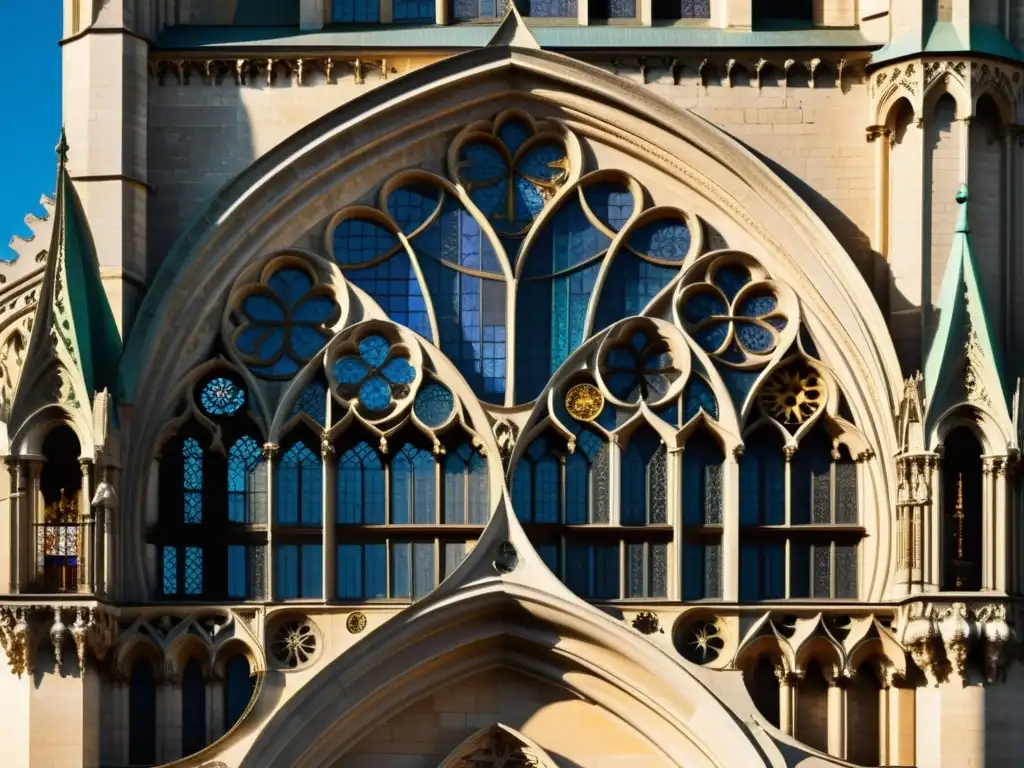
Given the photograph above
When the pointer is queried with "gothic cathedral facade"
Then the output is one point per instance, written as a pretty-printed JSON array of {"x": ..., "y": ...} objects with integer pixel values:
[{"x": 565, "y": 383}]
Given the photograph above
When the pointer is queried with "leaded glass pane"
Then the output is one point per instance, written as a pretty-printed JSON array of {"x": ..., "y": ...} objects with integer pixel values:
[
  {"x": 562, "y": 9},
  {"x": 713, "y": 570},
  {"x": 454, "y": 553},
  {"x": 549, "y": 554},
  {"x": 577, "y": 489},
  {"x": 455, "y": 488},
  {"x": 522, "y": 491},
  {"x": 356, "y": 11},
  {"x": 192, "y": 454},
  {"x": 312, "y": 402},
  {"x": 846, "y": 493},
  {"x": 577, "y": 569},
  {"x": 613, "y": 9},
  {"x": 237, "y": 576},
  {"x": 750, "y": 572},
  {"x": 401, "y": 569},
  {"x": 600, "y": 496},
  {"x": 846, "y": 572},
  {"x": 222, "y": 397},
  {"x": 657, "y": 482},
  {"x": 762, "y": 481},
  {"x": 821, "y": 490},
  {"x": 799, "y": 570},
  {"x": 606, "y": 558},
  {"x": 821, "y": 578},
  {"x": 170, "y": 571},
  {"x": 247, "y": 486},
  {"x": 286, "y": 567},
  {"x": 434, "y": 404},
  {"x": 423, "y": 573},
  {"x": 193, "y": 571},
  {"x": 412, "y": 487},
  {"x": 465, "y": 10},
  {"x": 773, "y": 558},
  {"x": 546, "y": 490},
  {"x": 657, "y": 577},
  {"x": 635, "y": 579},
  {"x": 479, "y": 493},
  {"x": 311, "y": 575},
  {"x": 350, "y": 572},
  {"x": 299, "y": 487},
  {"x": 360, "y": 486},
  {"x": 713, "y": 490}
]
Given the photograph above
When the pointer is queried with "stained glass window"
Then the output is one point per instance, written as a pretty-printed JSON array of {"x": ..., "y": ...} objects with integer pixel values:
[
  {"x": 592, "y": 570},
  {"x": 222, "y": 397},
  {"x": 193, "y": 571},
  {"x": 360, "y": 486},
  {"x": 466, "y": 10},
  {"x": 413, "y": 10},
  {"x": 299, "y": 571},
  {"x": 247, "y": 482},
  {"x": 639, "y": 367},
  {"x": 362, "y": 571},
  {"x": 246, "y": 566},
  {"x": 646, "y": 570},
  {"x": 697, "y": 397},
  {"x": 193, "y": 708},
  {"x": 465, "y": 487},
  {"x": 412, "y": 569},
  {"x": 643, "y": 477},
  {"x": 561, "y": 9},
  {"x": 375, "y": 375},
  {"x": 355, "y": 11},
  {"x": 298, "y": 487},
  {"x": 373, "y": 259},
  {"x": 412, "y": 487},
  {"x": 283, "y": 323},
  {"x": 312, "y": 402},
  {"x": 192, "y": 453},
  {"x": 762, "y": 481},
  {"x": 586, "y": 481},
  {"x": 682, "y": 9},
  {"x": 434, "y": 404},
  {"x": 170, "y": 570}
]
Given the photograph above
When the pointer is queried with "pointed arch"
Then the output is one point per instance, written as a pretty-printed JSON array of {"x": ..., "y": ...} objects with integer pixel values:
[{"x": 502, "y": 745}]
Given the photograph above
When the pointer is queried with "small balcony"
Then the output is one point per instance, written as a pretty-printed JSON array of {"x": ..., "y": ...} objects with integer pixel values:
[{"x": 63, "y": 549}]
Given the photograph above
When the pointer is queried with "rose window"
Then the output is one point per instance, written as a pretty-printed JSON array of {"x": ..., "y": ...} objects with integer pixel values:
[
  {"x": 221, "y": 397},
  {"x": 639, "y": 367},
  {"x": 294, "y": 643}
]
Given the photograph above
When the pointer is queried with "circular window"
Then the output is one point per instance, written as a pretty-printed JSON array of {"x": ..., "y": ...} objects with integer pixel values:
[
  {"x": 294, "y": 642},
  {"x": 701, "y": 642},
  {"x": 222, "y": 397}
]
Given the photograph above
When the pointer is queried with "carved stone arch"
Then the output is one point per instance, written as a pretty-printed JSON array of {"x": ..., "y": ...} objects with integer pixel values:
[
  {"x": 239, "y": 645},
  {"x": 989, "y": 432},
  {"x": 988, "y": 90},
  {"x": 947, "y": 82},
  {"x": 181, "y": 650},
  {"x": 280, "y": 198},
  {"x": 133, "y": 647},
  {"x": 28, "y": 440},
  {"x": 892, "y": 101},
  {"x": 497, "y": 746}
]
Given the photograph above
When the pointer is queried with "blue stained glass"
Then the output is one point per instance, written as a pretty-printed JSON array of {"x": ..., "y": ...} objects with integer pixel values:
[
  {"x": 222, "y": 397},
  {"x": 754, "y": 337},
  {"x": 479, "y": 490},
  {"x": 631, "y": 284},
  {"x": 170, "y": 571},
  {"x": 313, "y": 402},
  {"x": 757, "y": 306},
  {"x": 762, "y": 481},
  {"x": 412, "y": 205},
  {"x": 702, "y": 305},
  {"x": 247, "y": 486},
  {"x": 282, "y": 323},
  {"x": 357, "y": 241},
  {"x": 731, "y": 279},
  {"x": 398, "y": 371},
  {"x": 193, "y": 571},
  {"x": 299, "y": 571},
  {"x": 414, "y": 10},
  {"x": 637, "y": 478},
  {"x": 738, "y": 382},
  {"x": 375, "y": 394},
  {"x": 298, "y": 487},
  {"x": 734, "y": 353},
  {"x": 513, "y": 133},
  {"x": 412, "y": 486},
  {"x": 641, "y": 369},
  {"x": 192, "y": 455},
  {"x": 592, "y": 570},
  {"x": 549, "y": 554},
  {"x": 360, "y": 486},
  {"x": 350, "y": 370},
  {"x": 577, "y": 489},
  {"x": 434, "y": 404},
  {"x": 698, "y": 396},
  {"x": 702, "y": 481},
  {"x": 455, "y": 487},
  {"x": 356, "y": 11},
  {"x": 546, "y": 490},
  {"x": 664, "y": 239},
  {"x": 373, "y": 350},
  {"x": 522, "y": 491},
  {"x": 670, "y": 412},
  {"x": 610, "y": 201},
  {"x": 238, "y": 690}
]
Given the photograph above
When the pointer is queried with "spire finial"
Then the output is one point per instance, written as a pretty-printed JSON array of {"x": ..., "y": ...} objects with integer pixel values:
[
  {"x": 62, "y": 149},
  {"x": 961, "y": 219}
]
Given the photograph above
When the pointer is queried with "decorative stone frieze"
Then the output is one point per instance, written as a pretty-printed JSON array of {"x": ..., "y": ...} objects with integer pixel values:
[
  {"x": 941, "y": 638},
  {"x": 22, "y": 628}
]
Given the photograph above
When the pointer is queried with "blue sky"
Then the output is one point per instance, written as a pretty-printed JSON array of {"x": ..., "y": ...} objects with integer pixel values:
[{"x": 30, "y": 127}]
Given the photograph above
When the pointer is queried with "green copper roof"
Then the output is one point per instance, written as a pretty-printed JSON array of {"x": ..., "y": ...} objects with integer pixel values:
[
  {"x": 473, "y": 35},
  {"x": 961, "y": 309},
  {"x": 81, "y": 314},
  {"x": 983, "y": 40}
]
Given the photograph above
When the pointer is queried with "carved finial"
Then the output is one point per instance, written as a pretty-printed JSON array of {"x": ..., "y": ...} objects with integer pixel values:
[{"x": 62, "y": 149}]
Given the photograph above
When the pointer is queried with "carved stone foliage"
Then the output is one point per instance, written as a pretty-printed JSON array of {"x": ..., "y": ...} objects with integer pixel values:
[
  {"x": 23, "y": 627},
  {"x": 942, "y": 639}
]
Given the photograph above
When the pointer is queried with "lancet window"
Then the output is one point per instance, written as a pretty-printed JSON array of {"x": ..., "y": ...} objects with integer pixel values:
[{"x": 213, "y": 521}]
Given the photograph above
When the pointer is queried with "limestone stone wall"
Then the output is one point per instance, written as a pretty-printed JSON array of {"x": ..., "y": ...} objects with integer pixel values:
[{"x": 574, "y": 732}]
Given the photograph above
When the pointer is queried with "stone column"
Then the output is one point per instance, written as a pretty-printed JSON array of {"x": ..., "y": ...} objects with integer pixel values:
[
  {"x": 16, "y": 504},
  {"x": 786, "y": 683},
  {"x": 270, "y": 455},
  {"x": 329, "y": 516},
  {"x": 837, "y": 683},
  {"x": 988, "y": 525},
  {"x": 1002, "y": 551},
  {"x": 730, "y": 560},
  {"x": 86, "y": 564},
  {"x": 34, "y": 512}
]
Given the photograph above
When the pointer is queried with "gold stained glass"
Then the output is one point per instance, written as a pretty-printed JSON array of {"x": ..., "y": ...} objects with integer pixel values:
[
  {"x": 792, "y": 395},
  {"x": 584, "y": 402}
]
